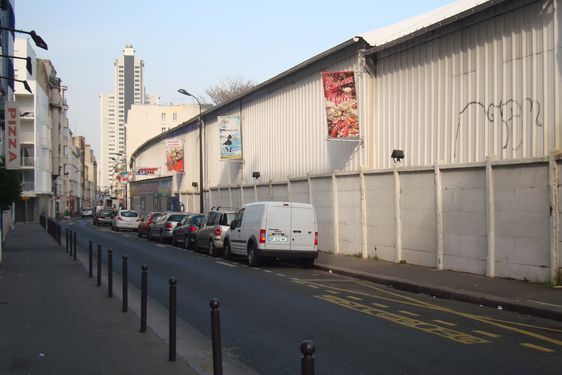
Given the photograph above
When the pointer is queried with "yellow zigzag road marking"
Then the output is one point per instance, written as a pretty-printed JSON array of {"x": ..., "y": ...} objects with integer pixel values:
[
  {"x": 537, "y": 347},
  {"x": 482, "y": 319},
  {"x": 486, "y": 333},
  {"x": 447, "y": 333}
]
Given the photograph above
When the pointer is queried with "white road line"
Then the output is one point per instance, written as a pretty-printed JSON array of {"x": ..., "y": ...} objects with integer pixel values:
[
  {"x": 280, "y": 274},
  {"x": 161, "y": 245},
  {"x": 227, "y": 264},
  {"x": 268, "y": 271}
]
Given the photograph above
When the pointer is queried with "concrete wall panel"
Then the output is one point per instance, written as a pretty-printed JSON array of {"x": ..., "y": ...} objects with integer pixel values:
[
  {"x": 418, "y": 218},
  {"x": 464, "y": 220},
  {"x": 323, "y": 201},
  {"x": 379, "y": 193},
  {"x": 349, "y": 221}
]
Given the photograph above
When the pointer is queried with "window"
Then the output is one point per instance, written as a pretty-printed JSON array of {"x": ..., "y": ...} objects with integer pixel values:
[
  {"x": 27, "y": 155},
  {"x": 175, "y": 116},
  {"x": 163, "y": 116}
]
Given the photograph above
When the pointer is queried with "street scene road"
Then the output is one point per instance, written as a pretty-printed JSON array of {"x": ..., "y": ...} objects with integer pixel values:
[{"x": 358, "y": 327}]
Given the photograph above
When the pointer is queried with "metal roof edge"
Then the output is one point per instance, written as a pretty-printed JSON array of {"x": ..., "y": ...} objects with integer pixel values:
[{"x": 426, "y": 29}]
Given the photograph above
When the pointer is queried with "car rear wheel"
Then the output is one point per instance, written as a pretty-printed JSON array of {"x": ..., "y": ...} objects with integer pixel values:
[
  {"x": 307, "y": 263},
  {"x": 160, "y": 239},
  {"x": 174, "y": 242},
  {"x": 227, "y": 250},
  {"x": 212, "y": 249},
  {"x": 186, "y": 243},
  {"x": 253, "y": 260}
]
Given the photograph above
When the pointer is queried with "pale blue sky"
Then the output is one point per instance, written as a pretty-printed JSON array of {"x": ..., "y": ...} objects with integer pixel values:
[{"x": 191, "y": 45}]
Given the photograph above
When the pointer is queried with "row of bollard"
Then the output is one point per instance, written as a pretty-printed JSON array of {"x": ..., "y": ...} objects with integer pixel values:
[{"x": 307, "y": 347}]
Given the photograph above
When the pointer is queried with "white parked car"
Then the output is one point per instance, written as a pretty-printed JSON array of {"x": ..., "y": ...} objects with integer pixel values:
[
  {"x": 126, "y": 219},
  {"x": 274, "y": 230}
]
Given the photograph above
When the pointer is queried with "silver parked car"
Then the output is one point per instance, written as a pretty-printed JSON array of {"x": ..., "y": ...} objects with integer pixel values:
[
  {"x": 210, "y": 236},
  {"x": 126, "y": 219},
  {"x": 163, "y": 226}
]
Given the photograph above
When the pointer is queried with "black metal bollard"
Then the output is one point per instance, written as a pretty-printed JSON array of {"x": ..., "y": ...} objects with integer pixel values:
[
  {"x": 109, "y": 273},
  {"x": 307, "y": 360},
  {"x": 99, "y": 265},
  {"x": 66, "y": 247},
  {"x": 172, "y": 326},
  {"x": 90, "y": 258},
  {"x": 216, "y": 336},
  {"x": 70, "y": 242},
  {"x": 125, "y": 283},
  {"x": 74, "y": 246},
  {"x": 144, "y": 292}
]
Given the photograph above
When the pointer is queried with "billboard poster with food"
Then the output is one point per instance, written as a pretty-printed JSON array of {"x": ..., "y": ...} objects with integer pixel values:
[
  {"x": 230, "y": 138},
  {"x": 174, "y": 155},
  {"x": 341, "y": 105}
]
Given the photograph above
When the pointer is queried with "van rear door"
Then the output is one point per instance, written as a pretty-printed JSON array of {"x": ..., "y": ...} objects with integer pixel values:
[
  {"x": 278, "y": 230},
  {"x": 303, "y": 227}
]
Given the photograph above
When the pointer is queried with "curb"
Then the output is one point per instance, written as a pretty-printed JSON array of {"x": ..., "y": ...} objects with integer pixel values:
[{"x": 447, "y": 293}]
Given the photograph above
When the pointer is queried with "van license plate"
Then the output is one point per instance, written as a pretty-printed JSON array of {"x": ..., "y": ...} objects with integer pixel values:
[{"x": 277, "y": 238}]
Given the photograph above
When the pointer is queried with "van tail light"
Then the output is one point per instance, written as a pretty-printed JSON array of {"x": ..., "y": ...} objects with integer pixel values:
[
  {"x": 262, "y": 235},
  {"x": 119, "y": 218},
  {"x": 218, "y": 231},
  {"x": 168, "y": 226},
  {"x": 192, "y": 228},
  {"x": 315, "y": 238}
]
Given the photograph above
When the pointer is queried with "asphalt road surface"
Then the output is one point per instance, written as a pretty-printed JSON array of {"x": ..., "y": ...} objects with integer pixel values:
[{"x": 358, "y": 327}]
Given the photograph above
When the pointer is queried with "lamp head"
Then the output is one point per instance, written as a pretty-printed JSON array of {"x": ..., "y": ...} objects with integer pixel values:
[
  {"x": 182, "y": 91},
  {"x": 397, "y": 155}
]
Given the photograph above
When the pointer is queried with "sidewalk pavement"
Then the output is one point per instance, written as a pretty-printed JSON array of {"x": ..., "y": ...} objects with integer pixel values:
[
  {"x": 54, "y": 320},
  {"x": 512, "y": 295},
  {"x": 51, "y": 313}
]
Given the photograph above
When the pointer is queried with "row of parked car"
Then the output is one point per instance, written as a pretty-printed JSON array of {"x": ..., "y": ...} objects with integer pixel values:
[{"x": 257, "y": 230}]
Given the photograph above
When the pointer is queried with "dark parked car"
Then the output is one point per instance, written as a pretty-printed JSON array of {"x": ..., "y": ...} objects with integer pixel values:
[
  {"x": 186, "y": 229},
  {"x": 148, "y": 219},
  {"x": 163, "y": 226},
  {"x": 104, "y": 217}
]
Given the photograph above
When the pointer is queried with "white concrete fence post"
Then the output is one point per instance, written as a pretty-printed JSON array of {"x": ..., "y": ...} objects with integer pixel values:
[
  {"x": 490, "y": 219},
  {"x": 554, "y": 219},
  {"x": 397, "y": 217},
  {"x": 438, "y": 218}
]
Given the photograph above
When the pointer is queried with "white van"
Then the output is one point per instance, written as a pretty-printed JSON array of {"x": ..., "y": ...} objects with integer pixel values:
[{"x": 274, "y": 230}]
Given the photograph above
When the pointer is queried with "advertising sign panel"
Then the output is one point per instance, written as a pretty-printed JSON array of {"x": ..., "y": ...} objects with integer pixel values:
[
  {"x": 230, "y": 138},
  {"x": 12, "y": 124},
  {"x": 341, "y": 105},
  {"x": 148, "y": 171},
  {"x": 174, "y": 155}
]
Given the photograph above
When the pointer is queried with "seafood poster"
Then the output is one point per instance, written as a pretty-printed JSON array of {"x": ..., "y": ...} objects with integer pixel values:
[
  {"x": 174, "y": 155},
  {"x": 341, "y": 105},
  {"x": 230, "y": 138}
]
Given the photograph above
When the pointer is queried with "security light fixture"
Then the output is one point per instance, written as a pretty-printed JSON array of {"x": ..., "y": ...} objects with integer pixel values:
[
  {"x": 256, "y": 175},
  {"x": 194, "y": 184},
  {"x": 25, "y": 85},
  {"x": 397, "y": 155},
  {"x": 39, "y": 42},
  {"x": 28, "y": 64}
]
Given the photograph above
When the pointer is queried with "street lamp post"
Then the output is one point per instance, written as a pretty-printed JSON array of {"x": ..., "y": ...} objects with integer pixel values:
[{"x": 182, "y": 91}]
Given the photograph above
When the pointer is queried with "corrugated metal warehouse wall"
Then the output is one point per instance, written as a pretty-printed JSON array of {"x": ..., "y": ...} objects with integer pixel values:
[
  {"x": 489, "y": 89},
  {"x": 284, "y": 134}
]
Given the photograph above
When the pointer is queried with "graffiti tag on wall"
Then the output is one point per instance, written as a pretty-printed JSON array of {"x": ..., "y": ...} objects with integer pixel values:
[{"x": 504, "y": 114}]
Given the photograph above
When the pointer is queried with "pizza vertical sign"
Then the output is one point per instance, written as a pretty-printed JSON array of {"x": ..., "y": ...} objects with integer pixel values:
[
  {"x": 341, "y": 105},
  {"x": 12, "y": 123}
]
